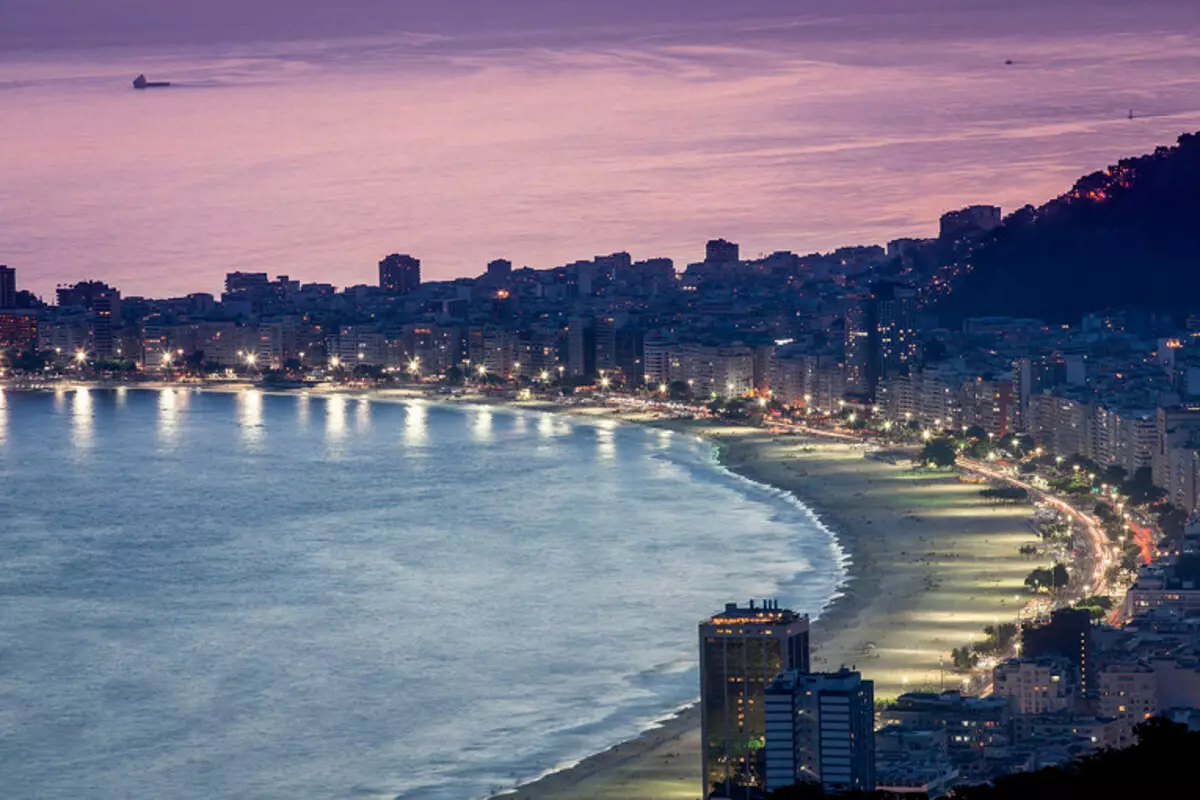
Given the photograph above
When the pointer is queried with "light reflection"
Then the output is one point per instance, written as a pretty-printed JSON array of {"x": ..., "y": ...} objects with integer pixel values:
[
  {"x": 3, "y": 417},
  {"x": 416, "y": 424},
  {"x": 362, "y": 415},
  {"x": 122, "y": 395},
  {"x": 250, "y": 416},
  {"x": 81, "y": 418},
  {"x": 335, "y": 421},
  {"x": 606, "y": 443},
  {"x": 545, "y": 426},
  {"x": 60, "y": 399},
  {"x": 481, "y": 429},
  {"x": 302, "y": 410},
  {"x": 520, "y": 424},
  {"x": 170, "y": 403}
]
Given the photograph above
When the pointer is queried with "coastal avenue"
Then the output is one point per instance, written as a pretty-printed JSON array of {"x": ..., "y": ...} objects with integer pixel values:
[{"x": 1100, "y": 555}]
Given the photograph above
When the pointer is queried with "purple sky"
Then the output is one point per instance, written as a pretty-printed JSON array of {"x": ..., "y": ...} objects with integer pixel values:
[
  {"x": 544, "y": 132},
  {"x": 76, "y": 23}
]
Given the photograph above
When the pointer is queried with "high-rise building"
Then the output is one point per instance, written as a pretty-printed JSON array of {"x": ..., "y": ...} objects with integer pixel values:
[
  {"x": 896, "y": 328},
  {"x": 106, "y": 318},
  {"x": 820, "y": 728},
  {"x": 399, "y": 274},
  {"x": 8, "y": 287},
  {"x": 1068, "y": 635},
  {"x": 741, "y": 651},
  {"x": 861, "y": 374},
  {"x": 581, "y": 347}
]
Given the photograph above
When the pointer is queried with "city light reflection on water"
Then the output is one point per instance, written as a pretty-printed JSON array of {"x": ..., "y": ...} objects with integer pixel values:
[
  {"x": 171, "y": 402},
  {"x": 3, "y": 417},
  {"x": 481, "y": 425},
  {"x": 362, "y": 415},
  {"x": 335, "y": 425},
  {"x": 81, "y": 419},
  {"x": 606, "y": 442},
  {"x": 250, "y": 417},
  {"x": 416, "y": 424},
  {"x": 303, "y": 403}
]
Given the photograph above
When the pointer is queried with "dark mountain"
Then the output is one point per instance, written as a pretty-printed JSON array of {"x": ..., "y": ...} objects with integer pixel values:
[{"x": 1126, "y": 237}]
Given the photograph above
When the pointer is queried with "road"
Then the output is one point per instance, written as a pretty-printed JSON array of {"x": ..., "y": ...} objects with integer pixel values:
[{"x": 1100, "y": 555}]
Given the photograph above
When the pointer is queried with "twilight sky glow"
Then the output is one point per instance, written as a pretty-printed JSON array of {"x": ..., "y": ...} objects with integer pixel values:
[{"x": 313, "y": 138}]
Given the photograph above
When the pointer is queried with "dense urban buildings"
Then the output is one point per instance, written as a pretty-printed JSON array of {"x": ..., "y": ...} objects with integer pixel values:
[{"x": 742, "y": 649}]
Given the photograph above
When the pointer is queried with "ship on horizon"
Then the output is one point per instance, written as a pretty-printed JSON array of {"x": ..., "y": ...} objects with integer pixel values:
[{"x": 140, "y": 82}]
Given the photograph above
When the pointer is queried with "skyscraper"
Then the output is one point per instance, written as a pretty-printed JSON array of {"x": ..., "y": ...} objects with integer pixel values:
[
  {"x": 399, "y": 274},
  {"x": 741, "y": 651},
  {"x": 820, "y": 727},
  {"x": 8, "y": 287}
]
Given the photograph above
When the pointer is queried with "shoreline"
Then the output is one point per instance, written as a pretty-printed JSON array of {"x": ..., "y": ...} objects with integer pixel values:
[
  {"x": 896, "y": 633},
  {"x": 662, "y": 763}
]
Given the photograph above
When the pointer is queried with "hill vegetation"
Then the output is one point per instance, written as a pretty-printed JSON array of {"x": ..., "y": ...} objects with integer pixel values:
[{"x": 1126, "y": 237}]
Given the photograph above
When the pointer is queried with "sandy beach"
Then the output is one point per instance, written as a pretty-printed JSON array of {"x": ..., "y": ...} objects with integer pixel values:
[{"x": 931, "y": 565}]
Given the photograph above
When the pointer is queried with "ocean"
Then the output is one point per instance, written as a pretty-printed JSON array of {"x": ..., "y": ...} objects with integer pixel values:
[
  {"x": 312, "y": 139},
  {"x": 249, "y": 595}
]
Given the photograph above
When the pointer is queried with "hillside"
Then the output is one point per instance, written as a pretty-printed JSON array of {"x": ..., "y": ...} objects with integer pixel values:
[{"x": 1126, "y": 237}]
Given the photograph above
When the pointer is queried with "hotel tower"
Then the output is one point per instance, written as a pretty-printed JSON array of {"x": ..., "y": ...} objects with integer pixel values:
[{"x": 741, "y": 651}]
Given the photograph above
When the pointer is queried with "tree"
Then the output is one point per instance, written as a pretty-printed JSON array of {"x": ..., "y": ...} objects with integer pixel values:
[
  {"x": 1060, "y": 577},
  {"x": 939, "y": 452},
  {"x": 1039, "y": 579},
  {"x": 976, "y": 432},
  {"x": 963, "y": 659}
]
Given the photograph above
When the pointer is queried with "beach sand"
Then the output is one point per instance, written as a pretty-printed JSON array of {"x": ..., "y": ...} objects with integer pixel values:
[{"x": 931, "y": 565}]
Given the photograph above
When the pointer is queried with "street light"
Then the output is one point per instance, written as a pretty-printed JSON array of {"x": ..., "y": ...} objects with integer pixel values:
[
  {"x": 80, "y": 356},
  {"x": 335, "y": 362},
  {"x": 544, "y": 375}
]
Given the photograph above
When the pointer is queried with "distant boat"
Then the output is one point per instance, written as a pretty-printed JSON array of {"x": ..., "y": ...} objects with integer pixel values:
[
  {"x": 1131, "y": 113},
  {"x": 1008, "y": 62},
  {"x": 140, "y": 82}
]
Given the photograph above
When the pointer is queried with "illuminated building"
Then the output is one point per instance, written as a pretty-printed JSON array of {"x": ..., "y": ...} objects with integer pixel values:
[
  {"x": 741, "y": 651},
  {"x": 820, "y": 727},
  {"x": 399, "y": 274},
  {"x": 18, "y": 330}
]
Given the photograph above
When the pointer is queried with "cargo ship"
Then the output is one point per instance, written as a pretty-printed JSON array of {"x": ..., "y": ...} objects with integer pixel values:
[{"x": 140, "y": 82}]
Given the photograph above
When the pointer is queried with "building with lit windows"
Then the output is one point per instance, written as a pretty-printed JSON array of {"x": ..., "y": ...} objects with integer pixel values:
[
  {"x": 399, "y": 274},
  {"x": 820, "y": 728},
  {"x": 1035, "y": 685},
  {"x": 741, "y": 652}
]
